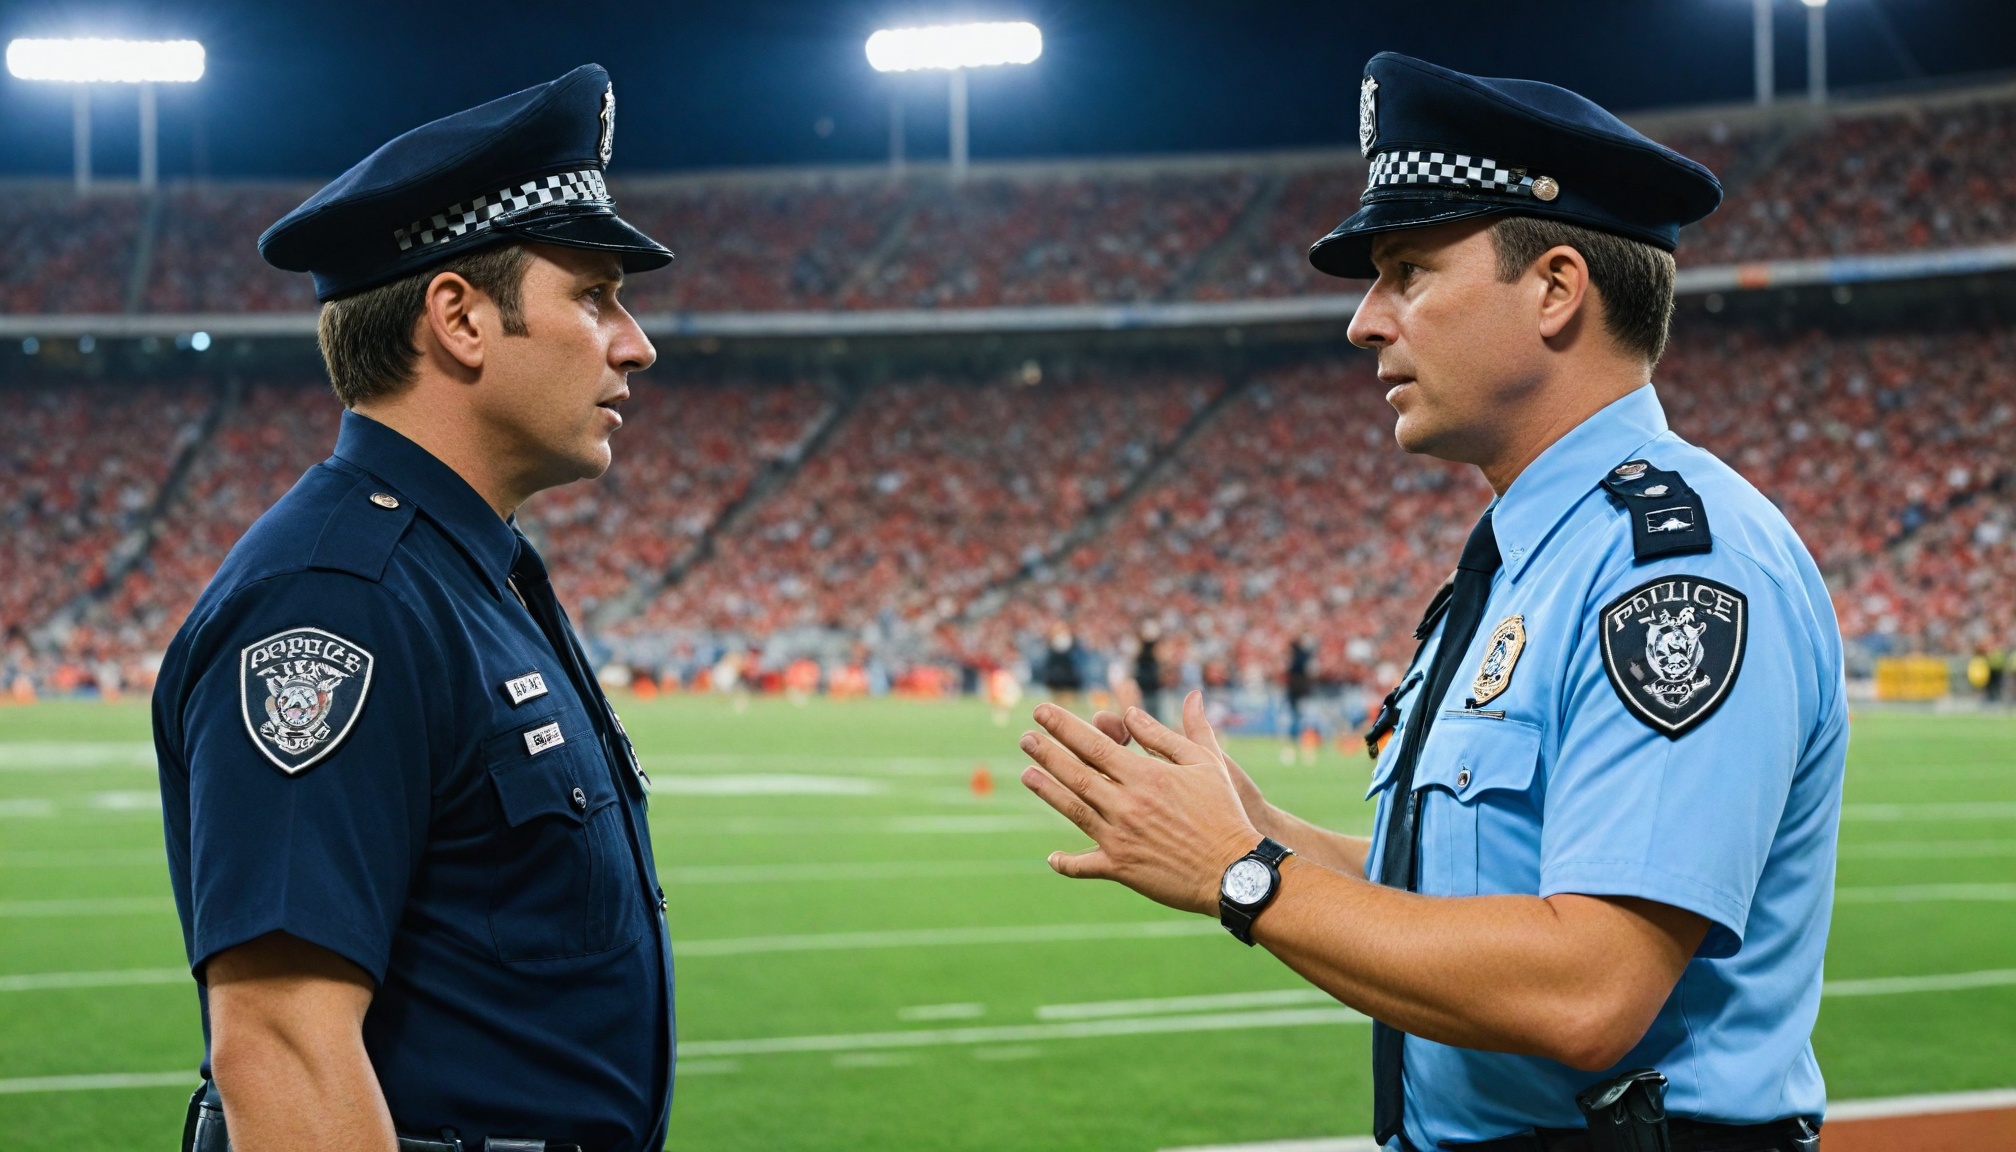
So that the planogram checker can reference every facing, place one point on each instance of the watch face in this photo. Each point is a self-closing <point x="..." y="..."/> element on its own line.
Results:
<point x="1247" y="882"/>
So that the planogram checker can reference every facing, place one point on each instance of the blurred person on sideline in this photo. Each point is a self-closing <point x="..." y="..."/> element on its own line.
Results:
<point x="1300" y="683"/>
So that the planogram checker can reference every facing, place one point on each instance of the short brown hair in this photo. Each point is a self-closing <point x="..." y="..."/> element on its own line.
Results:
<point x="1634" y="279"/>
<point x="367" y="336"/>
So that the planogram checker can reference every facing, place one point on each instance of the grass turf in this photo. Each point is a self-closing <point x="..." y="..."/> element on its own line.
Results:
<point x="851" y="818"/>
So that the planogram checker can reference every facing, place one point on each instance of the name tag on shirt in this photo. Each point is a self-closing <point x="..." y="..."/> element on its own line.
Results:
<point x="530" y="686"/>
<point x="540" y="739"/>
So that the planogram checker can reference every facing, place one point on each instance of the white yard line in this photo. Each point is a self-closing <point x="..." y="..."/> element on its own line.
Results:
<point x="1836" y="1112"/>
<point x="856" y="870"/>
<point x="96" y="906"/>
<point x="40" y="981"/>
<point x="1332" y="1144"/>
<point x="60" y="757"/>
<point x="1897" y="985"/>
<point x="1173" y="1004"/>
<point x="1922" y="1105"/>
<point x="799" y="826"/>
<point x="944" y="937"/>
<point x="1935" y="812"/>
<point x="185" y="1080"/>
<point x="1925" y="893"/>
<point x="1928" y="849"/>
<point x="1025" y="1033"/>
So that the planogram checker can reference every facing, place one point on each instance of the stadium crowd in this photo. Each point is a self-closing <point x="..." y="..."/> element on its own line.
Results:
<point x="1867" y="181"/>
<point x="926" y="521"/>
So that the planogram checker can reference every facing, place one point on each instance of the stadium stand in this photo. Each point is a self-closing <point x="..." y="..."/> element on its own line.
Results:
<point x="939" y="517"/>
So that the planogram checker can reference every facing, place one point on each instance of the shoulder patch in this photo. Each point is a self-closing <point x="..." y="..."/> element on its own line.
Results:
<point x="1667" y="517"/>
<point x="301" y="691"/>
<point x="1673" y="647"/>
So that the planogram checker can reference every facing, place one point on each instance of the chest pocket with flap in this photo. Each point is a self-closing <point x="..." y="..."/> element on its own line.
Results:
<point x="563" y="880"/>
<point x="1480" y="819"/>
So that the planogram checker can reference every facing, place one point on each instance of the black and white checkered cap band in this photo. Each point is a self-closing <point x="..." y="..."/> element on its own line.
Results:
<point x="459" y="220"/>
<point x="1391" y="168"/>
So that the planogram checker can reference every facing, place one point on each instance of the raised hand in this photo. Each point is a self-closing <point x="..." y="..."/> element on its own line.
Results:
<point x="1166" y="827"/>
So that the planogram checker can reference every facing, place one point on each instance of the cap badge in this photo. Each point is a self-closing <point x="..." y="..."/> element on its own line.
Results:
<point x="1546" y="188"/>
<point x="1368" y="115"/>
<point x="1501" y="656"/>
<point x="606" y="146"/>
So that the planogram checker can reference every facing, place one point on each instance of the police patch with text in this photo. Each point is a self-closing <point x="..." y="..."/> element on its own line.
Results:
<point x="301" y="692"/>
<point x="1673" y="647"/>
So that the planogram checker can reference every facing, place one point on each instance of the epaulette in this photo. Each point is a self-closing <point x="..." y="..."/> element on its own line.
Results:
<point x="1667" y="518"/>
<point x="362" y="530"/>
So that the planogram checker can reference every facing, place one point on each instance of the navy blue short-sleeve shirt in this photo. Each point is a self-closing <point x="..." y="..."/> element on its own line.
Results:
<point x="366" y="742"/>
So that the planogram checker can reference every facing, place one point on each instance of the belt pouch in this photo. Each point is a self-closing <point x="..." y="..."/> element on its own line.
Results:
<point x="1627" y="1114"/>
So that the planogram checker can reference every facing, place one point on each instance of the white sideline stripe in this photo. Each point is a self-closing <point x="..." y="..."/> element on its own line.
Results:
<point x="1892" y="985"/>
<point x="29" y="756"/>
<point x="870" y="870"/>
<point x="1025" y="1033"/>
<point x="1927" y="849"/>
<point x="1836" y="1111"/>
<point x="185" y="1080"/>
<point x="1172" y="1004"/>
<point x="945" y="937"/>
<point x="1333" y="1144"/>
<point x="1942" y="1102"/>
<point x="36" y="982"/>
<point x="861" y="825"/>
<point x="770" y="784"/>
<point x="100" y="906"/>
<point x="1924" y="893"/>
<point x="1994" y="810"/>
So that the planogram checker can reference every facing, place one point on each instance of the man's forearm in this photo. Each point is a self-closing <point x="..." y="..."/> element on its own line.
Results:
<point x="283" y="1096"/>
<point x="1573" y="978"/>
<point x="287" y="1050"/>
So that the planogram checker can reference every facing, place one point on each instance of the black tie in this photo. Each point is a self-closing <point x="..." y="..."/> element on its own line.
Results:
<point x="1471" y="588"/>
<point x="535" y="591"/>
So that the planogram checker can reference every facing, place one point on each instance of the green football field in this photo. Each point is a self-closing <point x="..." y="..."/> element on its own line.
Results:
<point x="872" y="956"/>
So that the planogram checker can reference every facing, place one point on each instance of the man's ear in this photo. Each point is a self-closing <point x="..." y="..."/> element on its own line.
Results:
<point x="452" y="313"/>
<point x="1565" y="290"/>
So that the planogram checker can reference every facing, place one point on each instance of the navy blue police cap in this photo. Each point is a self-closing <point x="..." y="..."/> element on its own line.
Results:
<point x="526" y="167"/>
<point x="1447" y="146"/>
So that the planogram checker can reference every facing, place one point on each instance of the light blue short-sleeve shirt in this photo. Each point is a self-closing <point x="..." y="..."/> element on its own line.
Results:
<point x="1568" y="779"/>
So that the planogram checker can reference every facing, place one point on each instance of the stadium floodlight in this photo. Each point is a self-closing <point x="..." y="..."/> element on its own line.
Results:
<point x="1816" y="51"/>
<point x="1762" y="49"/>
<point x="89" y="61"/>
<point x="951" y="48"/>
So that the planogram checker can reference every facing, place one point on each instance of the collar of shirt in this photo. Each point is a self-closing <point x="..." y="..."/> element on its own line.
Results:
<point x="1542" y="496"/>
<point x="437" y="490"/>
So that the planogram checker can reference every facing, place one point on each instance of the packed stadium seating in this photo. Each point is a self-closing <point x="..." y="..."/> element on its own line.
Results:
<point x="954" y="521"/>
<point x="936" y="518"/>
<point x="1865" y="181"/>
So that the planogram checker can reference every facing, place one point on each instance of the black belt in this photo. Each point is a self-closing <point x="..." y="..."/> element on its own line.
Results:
<point x="1687" y="1136"/>
<point x="204" y="1132"/>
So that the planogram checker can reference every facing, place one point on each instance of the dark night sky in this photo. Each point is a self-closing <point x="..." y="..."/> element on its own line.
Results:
<point x="305" y="89"/>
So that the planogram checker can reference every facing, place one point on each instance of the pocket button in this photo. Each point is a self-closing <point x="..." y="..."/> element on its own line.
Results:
<point x="580" y="800"/>
<point x="1463" y="778"/>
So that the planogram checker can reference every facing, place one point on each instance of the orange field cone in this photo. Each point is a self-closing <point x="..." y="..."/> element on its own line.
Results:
<point x="982" y="782"/>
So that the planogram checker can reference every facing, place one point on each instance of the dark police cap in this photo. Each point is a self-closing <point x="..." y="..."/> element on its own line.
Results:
<point x="1447" y="146"/>
<point x="526" y="167"/>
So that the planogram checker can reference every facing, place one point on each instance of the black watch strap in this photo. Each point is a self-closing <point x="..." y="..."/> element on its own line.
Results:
<point x="1238" y="918"/>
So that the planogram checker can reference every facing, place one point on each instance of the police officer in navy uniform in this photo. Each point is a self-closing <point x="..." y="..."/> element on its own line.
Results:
<point x="1593" y="908"/>
<point x="406" y="832"/>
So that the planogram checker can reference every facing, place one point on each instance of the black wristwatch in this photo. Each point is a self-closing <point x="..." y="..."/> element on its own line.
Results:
<point x="1249" y="885"/>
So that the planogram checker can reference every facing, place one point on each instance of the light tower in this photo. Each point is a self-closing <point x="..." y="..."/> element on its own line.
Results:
<point x="1816" y="51"/>
<point x="85" y="62"/>
<point x="952" y="48"/>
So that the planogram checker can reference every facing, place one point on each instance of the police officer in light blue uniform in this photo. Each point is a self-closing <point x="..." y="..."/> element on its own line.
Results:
<point x="1595" y="904"/>
<point x="406" y="831"/>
